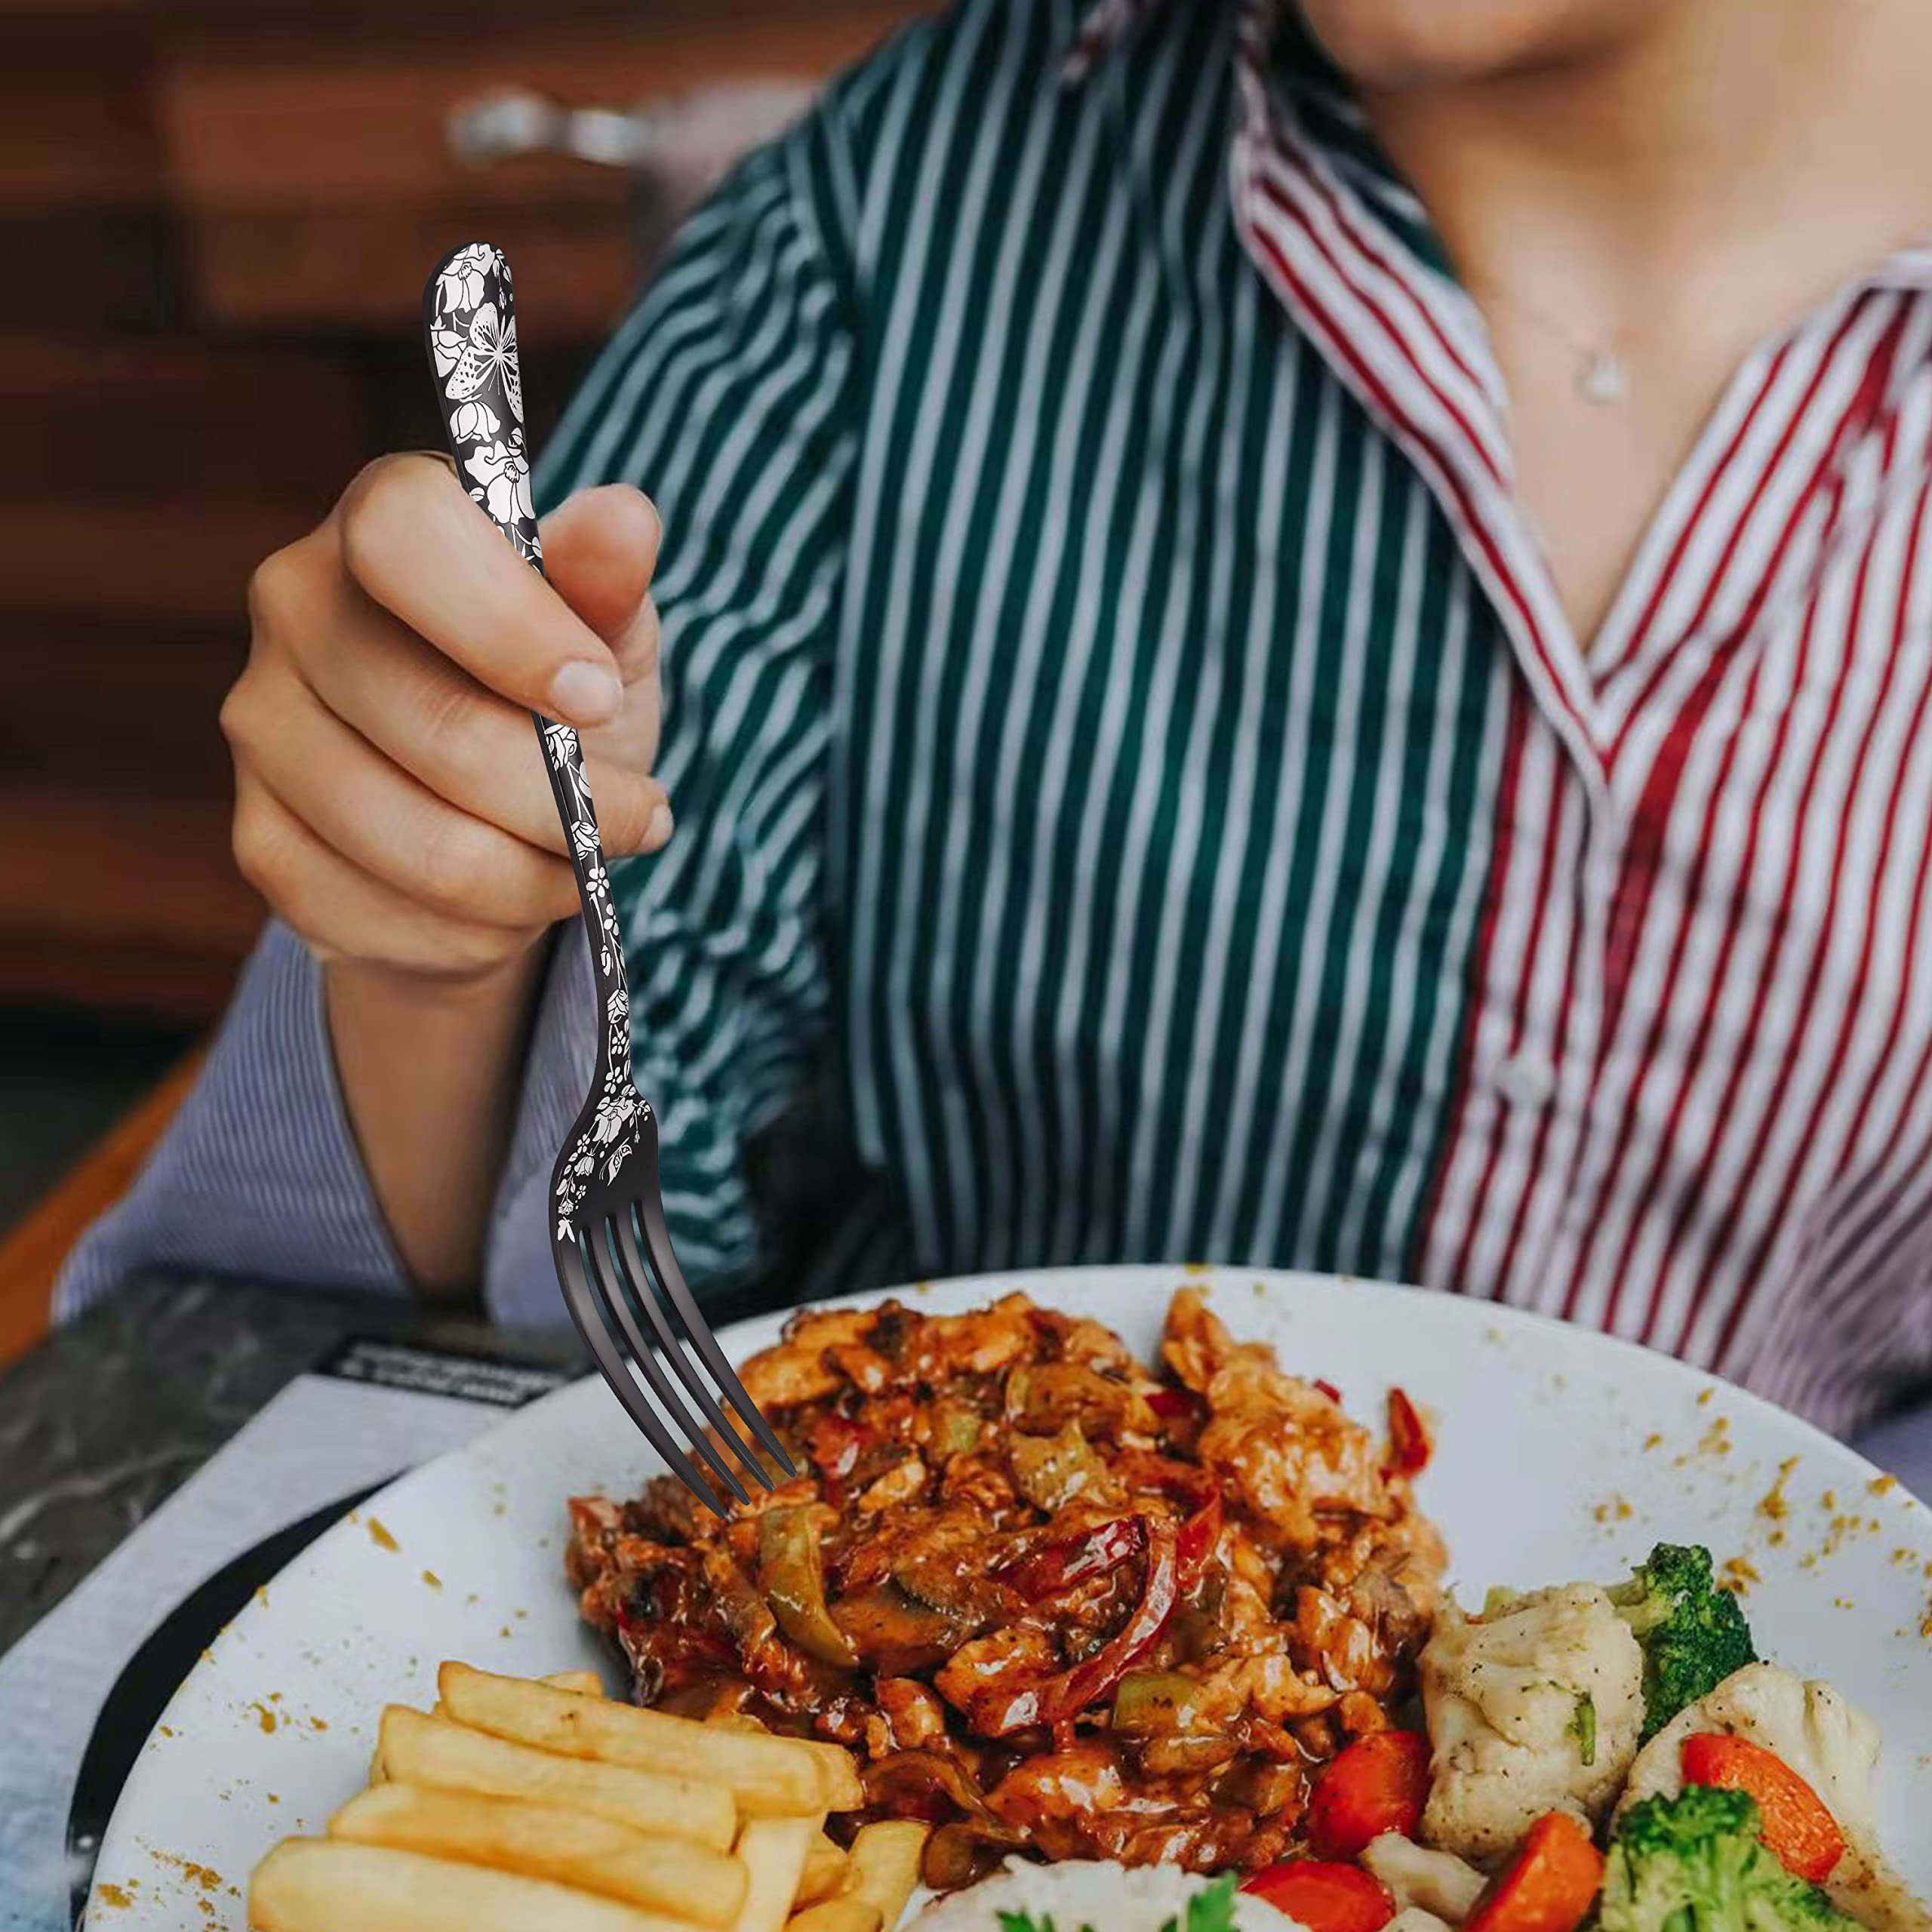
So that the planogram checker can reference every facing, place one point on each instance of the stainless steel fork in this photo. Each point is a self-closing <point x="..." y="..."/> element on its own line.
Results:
<point x="612" y="1250"/>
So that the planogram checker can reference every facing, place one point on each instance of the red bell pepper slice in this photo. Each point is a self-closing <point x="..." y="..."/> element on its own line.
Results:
<point x="1058" y="1566"/>
<point x="1324" y="1897"/>
<point x="1051" y="1700"/>
<point x="1379" y="1783"/>
<point x="1409" y="1445"/>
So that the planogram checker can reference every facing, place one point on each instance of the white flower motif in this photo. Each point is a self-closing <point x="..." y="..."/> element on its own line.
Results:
<point x="619" y="1005"/>
<point x="473" y="421"/>
<point x="505" y="477"/>
<point x="562" y="739"/>
<point x="616" y="1160"/>
<point x="446" y="347"/>
<point x="614" y="1110"/>
<point x="465" y="276"/>
<point x="596" y="881"/>
<point x="584" y="832"/>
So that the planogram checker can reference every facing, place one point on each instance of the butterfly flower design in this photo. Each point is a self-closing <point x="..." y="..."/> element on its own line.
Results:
<point x="487" y="354"/>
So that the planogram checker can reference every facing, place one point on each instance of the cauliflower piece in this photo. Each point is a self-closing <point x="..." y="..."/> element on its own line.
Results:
<point x="1830" y="1743"/>
<point x="1534" y="1707"/>
<point x="1413" y="1918"/>
<point x="1434" y="1885"/>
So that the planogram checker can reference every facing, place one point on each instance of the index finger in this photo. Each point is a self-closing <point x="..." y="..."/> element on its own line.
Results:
<point x="415" y="543"/>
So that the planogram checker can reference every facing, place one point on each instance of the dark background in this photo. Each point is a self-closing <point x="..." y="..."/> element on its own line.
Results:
<point x="218" y="218"/>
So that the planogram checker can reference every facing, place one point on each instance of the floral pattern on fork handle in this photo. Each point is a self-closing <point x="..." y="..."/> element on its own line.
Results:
<point x="469" y="324"/>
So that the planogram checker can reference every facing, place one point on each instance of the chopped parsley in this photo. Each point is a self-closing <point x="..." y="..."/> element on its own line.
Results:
<point x="1583" y="1727"/>
<point x="1210" y="1910"/>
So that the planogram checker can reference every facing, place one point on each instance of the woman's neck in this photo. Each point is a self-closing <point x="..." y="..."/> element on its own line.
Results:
<point x="1771" y="148"/>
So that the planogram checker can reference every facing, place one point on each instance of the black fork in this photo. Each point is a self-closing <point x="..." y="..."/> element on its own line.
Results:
<point x="620" y="1279"/>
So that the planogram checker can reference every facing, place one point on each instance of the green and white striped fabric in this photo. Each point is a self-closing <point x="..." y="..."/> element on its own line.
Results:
<point x="1082" y="729"/>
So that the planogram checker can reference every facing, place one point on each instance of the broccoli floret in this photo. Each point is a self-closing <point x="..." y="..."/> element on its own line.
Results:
<point x="1694" y="1634"/>
<point x="1695" y="1863"/>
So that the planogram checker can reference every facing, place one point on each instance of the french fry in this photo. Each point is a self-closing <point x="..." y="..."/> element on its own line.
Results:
<point x="844" y="1789"/>
<point x="585" y="1683"/>
<point x="329" y="1885"/>
<point x="885" y="1862"/>
<point x="669" y="1875"/>
<point x="846" y="1913"/>
<point x="420" y="1749"/>
<point x="768" y="1776"/>
<point x="826" y="1870"/>
<point x="772" y="1851"/>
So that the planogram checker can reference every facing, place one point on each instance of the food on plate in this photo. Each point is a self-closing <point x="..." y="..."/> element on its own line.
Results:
<point x="1549" y="1884"/>
<point x="1423" y="1880"/>
<point x="417" y="1749"/>
<point x="328" y="1885"/>
<point x="1827" y="1746"/>
<point x="768" y="1777"/>
<point x="1692" y="1634"/>
<point x="1698" y="1863"/>
<point x="1028" y="1600"/>
<point x="1534" y="1707"/>
<point x="1086" y="1895"/>
<point x="688" y="1880"/>
<point x="520" y="1804"/>
<point x="1379" y="1784"/>
<point x="1324" y="1896"/>
<point x="1048" y="1598"/>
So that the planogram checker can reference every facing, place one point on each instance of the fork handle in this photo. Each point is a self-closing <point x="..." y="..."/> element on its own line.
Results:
<point x="469" y="330"/>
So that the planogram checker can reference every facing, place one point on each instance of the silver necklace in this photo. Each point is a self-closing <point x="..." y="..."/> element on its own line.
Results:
<point x="1602" y="377"/>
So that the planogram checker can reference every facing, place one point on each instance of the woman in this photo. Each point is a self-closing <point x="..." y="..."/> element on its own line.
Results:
<point x="1288" y="636"/>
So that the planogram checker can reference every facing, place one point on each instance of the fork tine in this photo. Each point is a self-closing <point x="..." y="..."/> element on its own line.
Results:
<point x="619" y="1295"/>
<point x="698" y="1331"/>
<point x="681" y="1363"/>
<point x="581" y="1298"/>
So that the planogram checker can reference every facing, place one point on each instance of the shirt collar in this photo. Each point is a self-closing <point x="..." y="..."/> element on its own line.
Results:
<point x="1313" y="100"/>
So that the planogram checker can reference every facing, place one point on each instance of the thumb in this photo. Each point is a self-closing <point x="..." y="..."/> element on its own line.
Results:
<point x="600" y="547"/>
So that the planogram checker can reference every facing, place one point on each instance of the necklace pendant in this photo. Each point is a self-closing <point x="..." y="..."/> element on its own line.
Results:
<point x="1602" y="380"/>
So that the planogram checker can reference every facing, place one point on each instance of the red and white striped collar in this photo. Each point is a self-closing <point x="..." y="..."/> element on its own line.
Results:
<point x="1341" y="247"/>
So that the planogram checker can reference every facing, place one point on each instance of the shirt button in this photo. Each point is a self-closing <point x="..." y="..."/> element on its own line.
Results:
<point x="1527" y="1079"/>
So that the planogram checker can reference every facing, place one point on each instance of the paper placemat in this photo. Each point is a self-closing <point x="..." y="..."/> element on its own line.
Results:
<point x="372" y="1410"/>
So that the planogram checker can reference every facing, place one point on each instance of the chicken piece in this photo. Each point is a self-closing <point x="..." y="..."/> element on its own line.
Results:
<point x="1294" y="1458"/>
<point x="915" y="1717"/>
<point x="1830" y="1743"/>
<point x="1436" y="1883"/>
<point x="1535" y="1708"/>
<point x="982" y="1342"/>
<point x="801" y="1369"/>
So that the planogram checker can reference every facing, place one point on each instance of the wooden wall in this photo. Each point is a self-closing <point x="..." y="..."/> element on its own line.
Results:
<point x="218" y="216"/>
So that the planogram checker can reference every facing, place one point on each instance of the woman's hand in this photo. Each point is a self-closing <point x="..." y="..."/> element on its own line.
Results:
<point x="392" y="806"/>
<point x="391" y="799"/>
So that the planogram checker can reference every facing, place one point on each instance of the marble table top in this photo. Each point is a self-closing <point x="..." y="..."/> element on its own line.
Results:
<point x="106" y="1418"/>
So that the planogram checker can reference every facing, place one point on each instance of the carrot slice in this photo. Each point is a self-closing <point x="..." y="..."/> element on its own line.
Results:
<point x="1378" y="1784"/>
<point x="1548" y="1887"/>
<point x="1797" y="1826"/>
<point x="1324" y="1897"/>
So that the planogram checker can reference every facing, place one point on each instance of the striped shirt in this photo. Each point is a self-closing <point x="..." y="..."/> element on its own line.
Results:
<point x="1139" y="795"/>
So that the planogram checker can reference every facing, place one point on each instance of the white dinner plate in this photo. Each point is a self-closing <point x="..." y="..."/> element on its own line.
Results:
<point x="1561" y="1454"/>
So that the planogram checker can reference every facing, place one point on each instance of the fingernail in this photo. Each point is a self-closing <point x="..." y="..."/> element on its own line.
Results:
<point x="585" y="693"/>
<point x="658" y="831"/>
